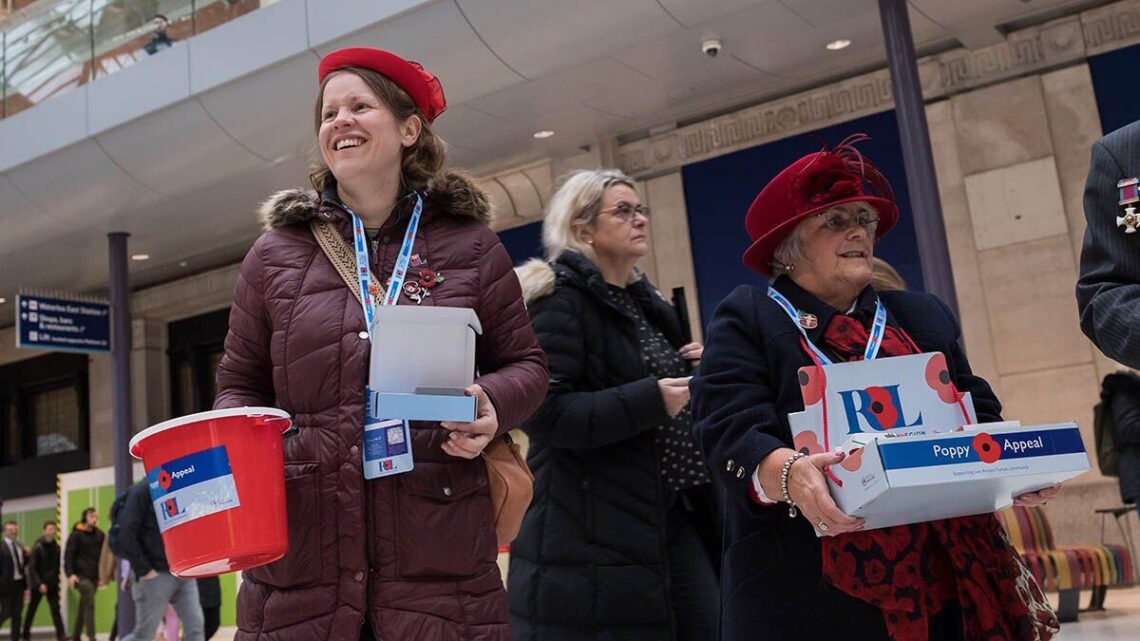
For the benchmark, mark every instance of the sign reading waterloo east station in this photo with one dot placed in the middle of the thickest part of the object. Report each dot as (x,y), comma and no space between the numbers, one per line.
(62,325)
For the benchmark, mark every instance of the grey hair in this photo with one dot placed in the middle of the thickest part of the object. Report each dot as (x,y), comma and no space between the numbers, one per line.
(791,250)
(575,205)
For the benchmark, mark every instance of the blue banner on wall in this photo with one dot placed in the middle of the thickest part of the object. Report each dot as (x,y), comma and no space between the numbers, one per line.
(718,192)
(1117,97)
(523,242)
(62,325)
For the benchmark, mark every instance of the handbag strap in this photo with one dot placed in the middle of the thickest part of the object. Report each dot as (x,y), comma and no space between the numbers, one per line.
(341,256)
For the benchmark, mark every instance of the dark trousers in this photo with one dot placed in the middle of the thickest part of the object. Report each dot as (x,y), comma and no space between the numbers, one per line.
(213,620)
(52,597)
(12,606)
(694,589)
(85,616)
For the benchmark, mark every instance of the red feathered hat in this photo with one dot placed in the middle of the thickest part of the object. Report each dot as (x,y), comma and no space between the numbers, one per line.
(810,185)
(421,85)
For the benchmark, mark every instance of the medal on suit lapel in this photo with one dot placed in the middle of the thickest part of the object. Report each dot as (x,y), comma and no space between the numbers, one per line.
(1128,197)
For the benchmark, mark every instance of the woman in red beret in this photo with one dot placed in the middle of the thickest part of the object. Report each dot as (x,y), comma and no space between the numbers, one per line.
(404,556)
(813,229)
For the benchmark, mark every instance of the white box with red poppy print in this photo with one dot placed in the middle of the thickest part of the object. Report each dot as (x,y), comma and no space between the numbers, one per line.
(422,360)
(878,409)
(911,479)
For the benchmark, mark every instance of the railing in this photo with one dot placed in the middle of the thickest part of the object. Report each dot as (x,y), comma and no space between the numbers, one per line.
(53,46)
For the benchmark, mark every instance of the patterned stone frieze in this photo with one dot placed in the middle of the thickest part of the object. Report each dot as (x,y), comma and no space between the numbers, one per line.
(1059,42)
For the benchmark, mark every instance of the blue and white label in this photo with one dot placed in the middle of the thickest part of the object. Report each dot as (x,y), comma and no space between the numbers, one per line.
(192,487)
(387,448)
(980,447)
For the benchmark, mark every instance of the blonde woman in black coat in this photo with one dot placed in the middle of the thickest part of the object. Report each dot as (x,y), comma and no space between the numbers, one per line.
(619,542)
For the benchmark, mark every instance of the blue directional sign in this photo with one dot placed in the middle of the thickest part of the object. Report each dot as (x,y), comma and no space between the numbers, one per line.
(62,325)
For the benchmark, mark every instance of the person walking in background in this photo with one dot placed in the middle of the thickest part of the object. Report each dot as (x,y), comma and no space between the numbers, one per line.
(81,565)
(1120,392)
(210,596)
(109,573)
(13,577)
(153,586)
(43,580)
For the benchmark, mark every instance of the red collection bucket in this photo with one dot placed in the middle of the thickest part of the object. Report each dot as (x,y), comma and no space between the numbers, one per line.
(217,484)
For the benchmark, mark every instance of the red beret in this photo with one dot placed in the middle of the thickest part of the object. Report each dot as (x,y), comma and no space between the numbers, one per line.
(420,84)
(813,184)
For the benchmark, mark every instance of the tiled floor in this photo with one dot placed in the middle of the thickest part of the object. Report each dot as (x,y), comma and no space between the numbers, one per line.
(1119,622)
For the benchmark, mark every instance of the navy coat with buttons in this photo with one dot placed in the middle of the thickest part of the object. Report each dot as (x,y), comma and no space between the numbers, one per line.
(771,585)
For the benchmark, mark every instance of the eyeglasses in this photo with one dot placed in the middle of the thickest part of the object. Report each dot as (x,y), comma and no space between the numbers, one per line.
(627,212)
(838,222)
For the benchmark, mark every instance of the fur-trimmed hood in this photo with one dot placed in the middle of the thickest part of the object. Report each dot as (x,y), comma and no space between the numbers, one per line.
(539,277)
(536,276)
(452,192)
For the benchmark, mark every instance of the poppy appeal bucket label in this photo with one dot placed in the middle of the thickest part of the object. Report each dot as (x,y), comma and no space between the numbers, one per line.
(191,487)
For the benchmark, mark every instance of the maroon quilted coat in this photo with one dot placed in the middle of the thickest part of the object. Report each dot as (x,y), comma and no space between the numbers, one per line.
(416,552)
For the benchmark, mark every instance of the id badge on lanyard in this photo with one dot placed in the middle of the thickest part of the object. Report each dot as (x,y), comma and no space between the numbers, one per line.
(387,442)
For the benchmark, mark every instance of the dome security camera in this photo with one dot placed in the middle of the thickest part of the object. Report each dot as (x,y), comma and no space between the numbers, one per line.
(711,47)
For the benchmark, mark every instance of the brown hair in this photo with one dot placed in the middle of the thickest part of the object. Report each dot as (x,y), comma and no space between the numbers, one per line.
(420,163)
(885,278)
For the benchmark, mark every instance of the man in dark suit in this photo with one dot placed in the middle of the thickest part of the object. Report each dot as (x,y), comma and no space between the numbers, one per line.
(13,577)
(1108,290)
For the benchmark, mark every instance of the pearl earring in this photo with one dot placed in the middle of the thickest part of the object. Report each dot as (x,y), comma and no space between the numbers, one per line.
(790,268)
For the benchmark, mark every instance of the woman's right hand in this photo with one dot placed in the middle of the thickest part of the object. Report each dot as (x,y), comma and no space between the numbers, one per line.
(675,393)
(807,486)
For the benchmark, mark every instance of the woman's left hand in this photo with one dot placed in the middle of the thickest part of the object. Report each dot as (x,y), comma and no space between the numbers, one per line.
(1040,497)
(692,352)
(467,440)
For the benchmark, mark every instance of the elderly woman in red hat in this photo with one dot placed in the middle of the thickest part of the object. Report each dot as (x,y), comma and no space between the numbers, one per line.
(404,556)
(814,228)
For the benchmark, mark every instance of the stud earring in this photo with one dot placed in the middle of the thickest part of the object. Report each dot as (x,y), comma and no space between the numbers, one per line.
(789,268)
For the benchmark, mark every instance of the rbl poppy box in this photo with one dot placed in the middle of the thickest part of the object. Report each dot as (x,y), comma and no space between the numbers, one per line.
(423,358)
(892,481)
(915,450)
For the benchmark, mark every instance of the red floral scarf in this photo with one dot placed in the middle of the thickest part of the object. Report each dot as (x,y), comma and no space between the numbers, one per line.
(910,571)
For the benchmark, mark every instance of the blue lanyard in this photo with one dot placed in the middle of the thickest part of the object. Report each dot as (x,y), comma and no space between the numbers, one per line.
(363,275)
(874,341)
